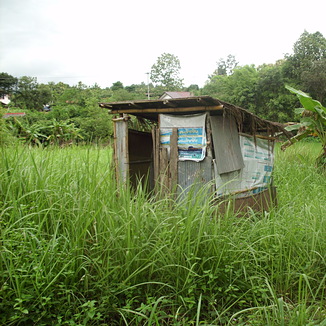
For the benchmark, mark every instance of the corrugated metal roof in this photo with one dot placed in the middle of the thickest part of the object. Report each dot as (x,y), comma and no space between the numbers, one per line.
(139,106)
(176,94)
(150,109)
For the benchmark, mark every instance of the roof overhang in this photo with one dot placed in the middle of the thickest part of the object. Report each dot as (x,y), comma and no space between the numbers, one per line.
(150,109)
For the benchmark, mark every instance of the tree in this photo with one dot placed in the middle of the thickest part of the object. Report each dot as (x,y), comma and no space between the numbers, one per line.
(7,84)
(309,48)
(30,95)
(314,80)
(193,88)
(238,88)
(166,72)
(116,86)
(313,121)
(225,67)
(57,90)
(273,100)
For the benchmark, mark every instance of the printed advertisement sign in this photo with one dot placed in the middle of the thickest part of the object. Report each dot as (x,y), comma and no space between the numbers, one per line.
(191,135)
(255,176)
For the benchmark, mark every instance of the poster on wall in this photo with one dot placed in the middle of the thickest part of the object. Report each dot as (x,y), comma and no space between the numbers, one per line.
(255,176)
(191,135)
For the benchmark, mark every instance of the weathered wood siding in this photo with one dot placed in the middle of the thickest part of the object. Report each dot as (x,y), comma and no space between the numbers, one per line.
(121,154)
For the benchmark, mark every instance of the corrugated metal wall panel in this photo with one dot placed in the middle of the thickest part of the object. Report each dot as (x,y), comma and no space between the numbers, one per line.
(194,174)
(226,144)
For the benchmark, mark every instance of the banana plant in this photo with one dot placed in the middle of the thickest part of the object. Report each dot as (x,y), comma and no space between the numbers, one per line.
(29,134)
(312,122)
(62,132)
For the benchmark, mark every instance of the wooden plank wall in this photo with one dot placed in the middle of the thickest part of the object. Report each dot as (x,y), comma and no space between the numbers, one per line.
(121,154)
(165,163)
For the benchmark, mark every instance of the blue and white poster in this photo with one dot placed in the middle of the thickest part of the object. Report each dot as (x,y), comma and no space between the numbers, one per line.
(255,176)
(191,135)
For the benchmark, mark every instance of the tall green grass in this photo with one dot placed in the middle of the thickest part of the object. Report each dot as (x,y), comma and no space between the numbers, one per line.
(78,250)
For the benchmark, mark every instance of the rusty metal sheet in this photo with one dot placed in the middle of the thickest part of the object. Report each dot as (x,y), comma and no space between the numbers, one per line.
(226,144)
(194,174)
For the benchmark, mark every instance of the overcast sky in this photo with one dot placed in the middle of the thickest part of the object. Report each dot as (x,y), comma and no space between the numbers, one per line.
(103,41)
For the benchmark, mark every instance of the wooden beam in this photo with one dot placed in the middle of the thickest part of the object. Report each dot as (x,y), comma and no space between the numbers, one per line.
(201,101)
(132,104)
(169,110)
(170,104)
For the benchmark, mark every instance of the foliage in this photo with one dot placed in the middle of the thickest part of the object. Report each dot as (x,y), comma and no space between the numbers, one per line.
(76,105)
(225,66)
(258,89)
(312,122)
(77,250)
(314,79)
(261,90)
(193,88)
(5,137)
(30,95)
(309,52)
(61,133)
(165,72)
(7,84)
(52,133)
(238,88)
(273,101)
(116,86)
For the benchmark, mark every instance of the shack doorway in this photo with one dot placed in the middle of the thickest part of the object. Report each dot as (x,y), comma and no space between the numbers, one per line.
(140,148)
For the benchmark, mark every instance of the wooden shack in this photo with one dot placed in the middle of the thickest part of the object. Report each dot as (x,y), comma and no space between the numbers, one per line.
(195,141)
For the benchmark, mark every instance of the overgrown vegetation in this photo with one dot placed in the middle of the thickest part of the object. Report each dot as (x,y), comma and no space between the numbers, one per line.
(258,89)
(312,122)
(77,250)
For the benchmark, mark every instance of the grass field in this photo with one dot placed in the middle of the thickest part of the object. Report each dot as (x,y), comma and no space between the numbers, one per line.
(76,250)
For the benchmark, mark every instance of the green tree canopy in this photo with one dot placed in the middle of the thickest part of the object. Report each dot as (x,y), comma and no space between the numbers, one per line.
(314,80)
(225,66)
(30,95)
(238,88)
(166,72)
(116,86)
(273,101)
(7,83)
(308,49)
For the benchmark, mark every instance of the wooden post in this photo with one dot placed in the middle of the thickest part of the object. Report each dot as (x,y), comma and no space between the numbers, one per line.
(174,155)
(164,170)
(121,154)
(165,165)
(156,153)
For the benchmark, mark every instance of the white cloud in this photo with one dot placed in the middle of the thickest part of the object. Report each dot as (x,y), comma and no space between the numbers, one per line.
(104,41)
